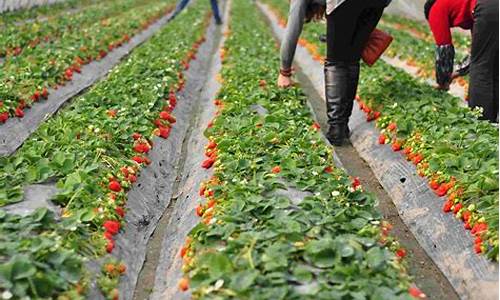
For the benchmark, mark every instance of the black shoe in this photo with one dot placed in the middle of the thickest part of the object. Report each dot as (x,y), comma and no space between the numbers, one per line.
(336,134)
(322,38)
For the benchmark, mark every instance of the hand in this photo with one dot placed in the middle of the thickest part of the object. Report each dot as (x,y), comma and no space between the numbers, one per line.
(285,81)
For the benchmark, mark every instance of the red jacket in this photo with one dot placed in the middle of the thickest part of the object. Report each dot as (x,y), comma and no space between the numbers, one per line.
(445,14)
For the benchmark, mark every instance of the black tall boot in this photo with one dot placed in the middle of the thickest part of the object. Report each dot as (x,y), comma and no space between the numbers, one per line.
(341,82)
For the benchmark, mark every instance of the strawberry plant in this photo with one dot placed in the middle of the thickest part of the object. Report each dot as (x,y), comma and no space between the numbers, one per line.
(25,78)
(446,142)
(94,149)
(255,243)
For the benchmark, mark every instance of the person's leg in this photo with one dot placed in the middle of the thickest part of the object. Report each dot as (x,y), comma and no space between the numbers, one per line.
(483,89)
(348,29)
(215,10)
(180,6)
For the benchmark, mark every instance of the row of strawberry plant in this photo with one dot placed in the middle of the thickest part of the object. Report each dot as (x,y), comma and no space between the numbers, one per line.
(42,11)
(14,37)
(421,30)
(93,149)
(456,151)
(449,145)
(26,78)
(255,243)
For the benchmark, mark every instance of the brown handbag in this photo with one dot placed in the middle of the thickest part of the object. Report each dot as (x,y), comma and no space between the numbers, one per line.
(375,46)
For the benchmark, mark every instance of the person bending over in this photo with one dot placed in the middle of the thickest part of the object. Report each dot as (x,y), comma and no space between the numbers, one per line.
(480,16)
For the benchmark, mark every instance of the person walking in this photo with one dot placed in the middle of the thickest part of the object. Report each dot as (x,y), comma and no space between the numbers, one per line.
(213,3)
(301,11)
(480,16)
(349,24)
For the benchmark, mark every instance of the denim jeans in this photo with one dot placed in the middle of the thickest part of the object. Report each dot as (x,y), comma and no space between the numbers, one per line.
(213,3)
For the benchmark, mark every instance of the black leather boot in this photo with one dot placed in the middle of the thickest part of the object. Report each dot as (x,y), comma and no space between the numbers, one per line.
(341,82)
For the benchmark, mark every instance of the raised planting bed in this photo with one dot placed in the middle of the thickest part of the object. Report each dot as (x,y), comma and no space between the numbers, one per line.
(91,154)
(255,239)
(33,74)
(443,237)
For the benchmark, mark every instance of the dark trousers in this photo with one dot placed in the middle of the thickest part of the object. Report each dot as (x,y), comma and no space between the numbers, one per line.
(213,3)
(483,90)
(348,28)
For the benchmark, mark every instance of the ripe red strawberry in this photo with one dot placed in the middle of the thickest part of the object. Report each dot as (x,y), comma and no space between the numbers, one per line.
(381,139)
(167,117)
(4,117)
(376,115)
(110,246)
(172,99)
(183,284)
(19,112)
(457,208)
(406,150)
(316,126)
(392,126)
(467,226)
(366,109)
(136,136)
(141,148)
(477,248)
(210,124)
(45,93)
(147,161)
(276,169)
(434,184)
(120,211)
(202,191)
(199,210)
(466,216)
(183,251)
(68,73)
(328,169)
(479,228)
(207,163)
(355,182)
(115,186)
(108,235)
(112,226)
(478,240)
(124,171)
(138,159)
(401,253)
(111,113)
(442,190)
(132,178)
(417,158)
(415,292)
(217,102)
(396,146)
(36,96)
(447,206)
(164,131)
(211,145)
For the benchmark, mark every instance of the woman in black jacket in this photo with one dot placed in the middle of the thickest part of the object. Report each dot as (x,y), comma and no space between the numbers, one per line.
(349,25)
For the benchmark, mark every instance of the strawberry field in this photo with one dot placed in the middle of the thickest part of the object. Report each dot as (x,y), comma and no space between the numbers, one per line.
(184,172)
